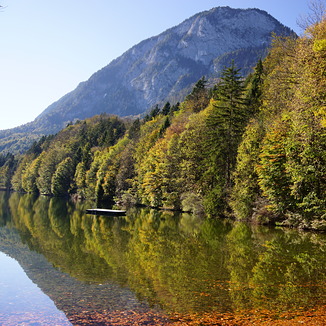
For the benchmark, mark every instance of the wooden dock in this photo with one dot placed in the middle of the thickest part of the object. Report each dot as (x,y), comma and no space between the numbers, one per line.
(104,211)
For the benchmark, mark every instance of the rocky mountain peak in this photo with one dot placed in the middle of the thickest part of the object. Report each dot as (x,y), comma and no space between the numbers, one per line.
(164,67)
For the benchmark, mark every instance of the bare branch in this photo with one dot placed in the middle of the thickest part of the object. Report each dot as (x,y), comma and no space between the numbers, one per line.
(317,13)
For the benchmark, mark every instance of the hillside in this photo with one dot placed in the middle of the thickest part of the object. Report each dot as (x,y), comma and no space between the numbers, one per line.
(159,69)
(250,149)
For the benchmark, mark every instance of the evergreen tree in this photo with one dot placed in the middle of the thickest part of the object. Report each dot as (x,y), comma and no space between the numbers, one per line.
(166,108)
(199,87)
(254,94)
(134,130)
(198,99)
(166,125)
(153,113)
(225,124)
(227,121)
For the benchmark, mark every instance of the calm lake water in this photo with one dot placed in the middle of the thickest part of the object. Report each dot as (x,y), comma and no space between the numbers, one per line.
(60,266)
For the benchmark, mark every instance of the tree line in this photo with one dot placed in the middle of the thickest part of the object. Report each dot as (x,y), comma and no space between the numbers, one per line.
(253,148)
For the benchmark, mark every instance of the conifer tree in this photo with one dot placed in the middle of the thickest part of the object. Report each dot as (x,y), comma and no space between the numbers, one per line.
(227,120)
(255,89)
(166,108)
(198,99)
(134,130)
(225,125)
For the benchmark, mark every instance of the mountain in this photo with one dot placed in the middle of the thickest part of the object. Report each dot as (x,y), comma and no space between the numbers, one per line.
(159,69)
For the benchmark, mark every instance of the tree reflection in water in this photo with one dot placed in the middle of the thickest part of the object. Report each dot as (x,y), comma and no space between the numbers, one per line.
(163,264)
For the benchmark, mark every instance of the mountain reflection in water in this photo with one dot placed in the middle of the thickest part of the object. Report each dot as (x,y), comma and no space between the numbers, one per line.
(159,265)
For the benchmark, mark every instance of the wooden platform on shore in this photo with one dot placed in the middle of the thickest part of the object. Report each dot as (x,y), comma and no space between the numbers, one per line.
(104,211)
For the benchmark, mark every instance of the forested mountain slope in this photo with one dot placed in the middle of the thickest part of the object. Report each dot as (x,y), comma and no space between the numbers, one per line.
(159,69)
(252,149)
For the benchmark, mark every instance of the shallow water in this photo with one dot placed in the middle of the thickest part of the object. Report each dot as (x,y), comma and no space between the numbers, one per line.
(21,299)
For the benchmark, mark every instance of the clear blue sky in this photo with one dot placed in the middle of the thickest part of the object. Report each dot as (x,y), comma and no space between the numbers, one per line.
(48,47)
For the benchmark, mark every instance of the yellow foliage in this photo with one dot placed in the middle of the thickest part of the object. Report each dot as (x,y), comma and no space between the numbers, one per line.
(321,113)
(319,45)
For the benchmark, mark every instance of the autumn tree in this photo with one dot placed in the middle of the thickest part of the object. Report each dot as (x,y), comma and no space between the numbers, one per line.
(246,191)
(30,176)
(316,14)
(273,178)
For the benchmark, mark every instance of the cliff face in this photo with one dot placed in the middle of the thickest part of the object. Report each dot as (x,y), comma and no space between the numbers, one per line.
(166,66)
(158,68)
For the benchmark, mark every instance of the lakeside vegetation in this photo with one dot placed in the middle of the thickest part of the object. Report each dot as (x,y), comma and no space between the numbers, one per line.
(253,149)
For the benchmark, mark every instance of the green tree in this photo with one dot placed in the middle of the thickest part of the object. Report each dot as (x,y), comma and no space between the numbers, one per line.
(126,170)
(152,114)
(16,179)
(199,97)
(246,191)
(134,130)
(62,177)
(227,121)
(80,179)
(47,169)
(254,89)
(7,169)
(30,175)
(272,175)
(225,125)
(166,108)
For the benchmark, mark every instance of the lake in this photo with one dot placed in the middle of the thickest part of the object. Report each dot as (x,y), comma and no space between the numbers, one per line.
(61,266)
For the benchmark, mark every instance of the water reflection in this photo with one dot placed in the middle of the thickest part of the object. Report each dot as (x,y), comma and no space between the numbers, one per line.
(23,298)
(161,260)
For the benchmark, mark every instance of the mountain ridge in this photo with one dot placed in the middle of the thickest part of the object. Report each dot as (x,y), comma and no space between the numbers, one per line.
(163,67)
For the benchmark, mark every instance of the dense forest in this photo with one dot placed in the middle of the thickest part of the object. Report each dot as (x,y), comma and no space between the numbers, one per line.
(251,148)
